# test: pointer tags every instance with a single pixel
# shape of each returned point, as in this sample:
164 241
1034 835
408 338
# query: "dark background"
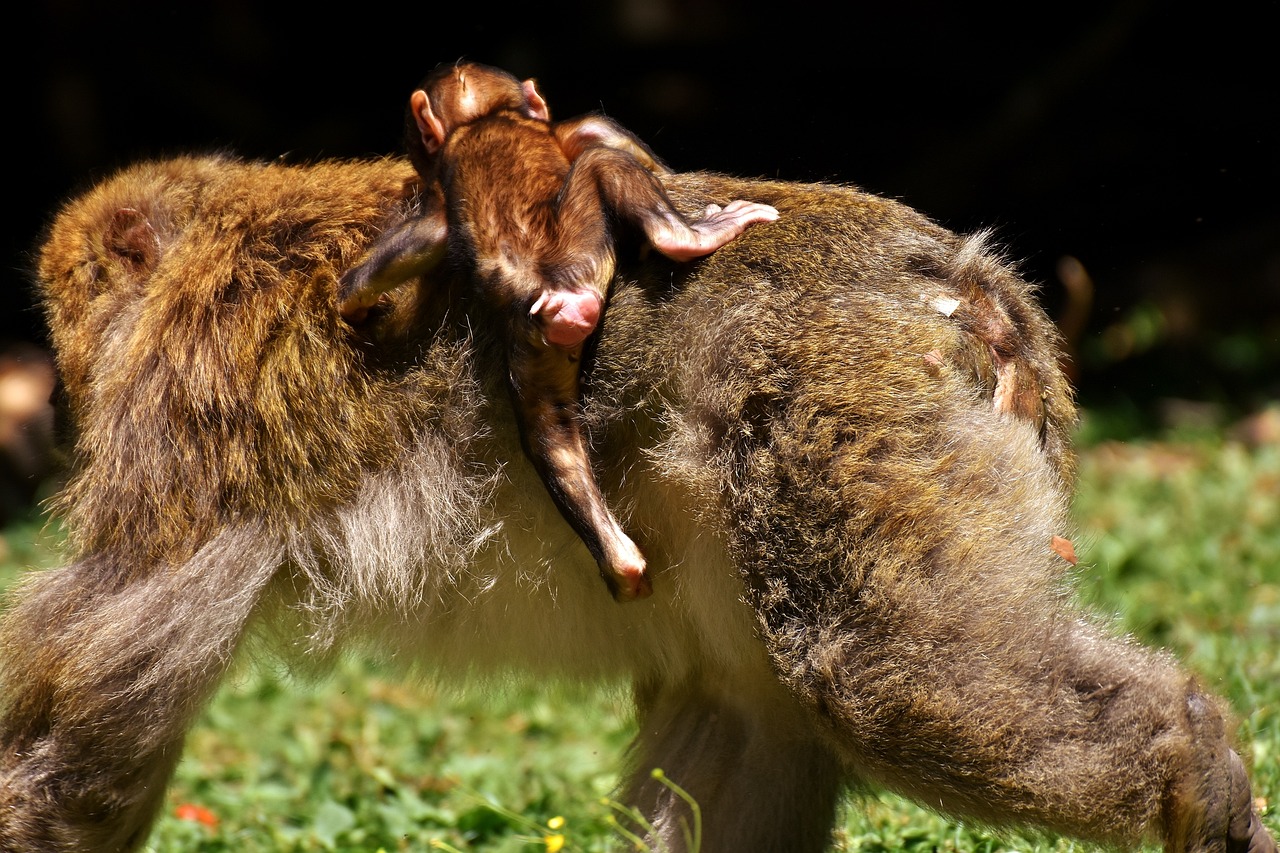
1140 141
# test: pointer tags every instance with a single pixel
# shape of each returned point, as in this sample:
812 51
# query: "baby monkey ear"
536 105
429 125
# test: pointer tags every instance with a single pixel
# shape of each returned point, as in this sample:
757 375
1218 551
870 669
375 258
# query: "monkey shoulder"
507 143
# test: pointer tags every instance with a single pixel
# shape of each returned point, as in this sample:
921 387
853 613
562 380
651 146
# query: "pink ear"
429 125
537 106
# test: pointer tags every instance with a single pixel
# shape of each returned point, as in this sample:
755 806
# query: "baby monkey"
526 201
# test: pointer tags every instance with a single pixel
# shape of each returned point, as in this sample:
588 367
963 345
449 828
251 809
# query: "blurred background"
1125 154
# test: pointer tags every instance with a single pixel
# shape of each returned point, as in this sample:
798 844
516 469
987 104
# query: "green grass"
1179 538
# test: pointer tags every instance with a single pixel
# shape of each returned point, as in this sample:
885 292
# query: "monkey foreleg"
717 226
406 252
1211 807
637 196
576 135
103 666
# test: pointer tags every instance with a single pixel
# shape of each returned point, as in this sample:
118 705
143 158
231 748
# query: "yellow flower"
555 843
555 822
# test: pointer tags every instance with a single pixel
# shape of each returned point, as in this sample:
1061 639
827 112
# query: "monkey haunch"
846 486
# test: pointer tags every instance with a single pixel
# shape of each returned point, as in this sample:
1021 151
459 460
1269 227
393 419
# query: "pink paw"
568 316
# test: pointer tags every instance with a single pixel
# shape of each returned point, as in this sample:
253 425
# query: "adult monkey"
842 440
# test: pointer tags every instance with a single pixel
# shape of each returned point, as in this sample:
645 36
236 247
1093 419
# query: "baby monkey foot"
568 317
626 572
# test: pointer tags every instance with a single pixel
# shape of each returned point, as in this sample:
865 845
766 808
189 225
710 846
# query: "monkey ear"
429 124
131 238
537 105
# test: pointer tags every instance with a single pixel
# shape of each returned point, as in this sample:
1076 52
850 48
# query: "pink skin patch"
568 316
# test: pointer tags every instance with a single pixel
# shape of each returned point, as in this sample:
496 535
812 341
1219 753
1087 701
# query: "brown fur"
526 207
532 227
851 531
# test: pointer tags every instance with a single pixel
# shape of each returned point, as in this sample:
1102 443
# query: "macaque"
852 536
524 200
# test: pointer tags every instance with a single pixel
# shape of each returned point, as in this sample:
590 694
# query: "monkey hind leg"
103 669
1211 807
761 780
544 387
1076 732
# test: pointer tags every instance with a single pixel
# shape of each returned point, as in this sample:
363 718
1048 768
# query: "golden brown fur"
848 520
528 207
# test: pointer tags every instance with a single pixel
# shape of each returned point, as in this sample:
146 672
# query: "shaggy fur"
842 442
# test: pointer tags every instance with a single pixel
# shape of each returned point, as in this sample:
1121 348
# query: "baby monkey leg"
544 387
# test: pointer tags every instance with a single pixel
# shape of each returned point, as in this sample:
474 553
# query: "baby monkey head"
458 94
